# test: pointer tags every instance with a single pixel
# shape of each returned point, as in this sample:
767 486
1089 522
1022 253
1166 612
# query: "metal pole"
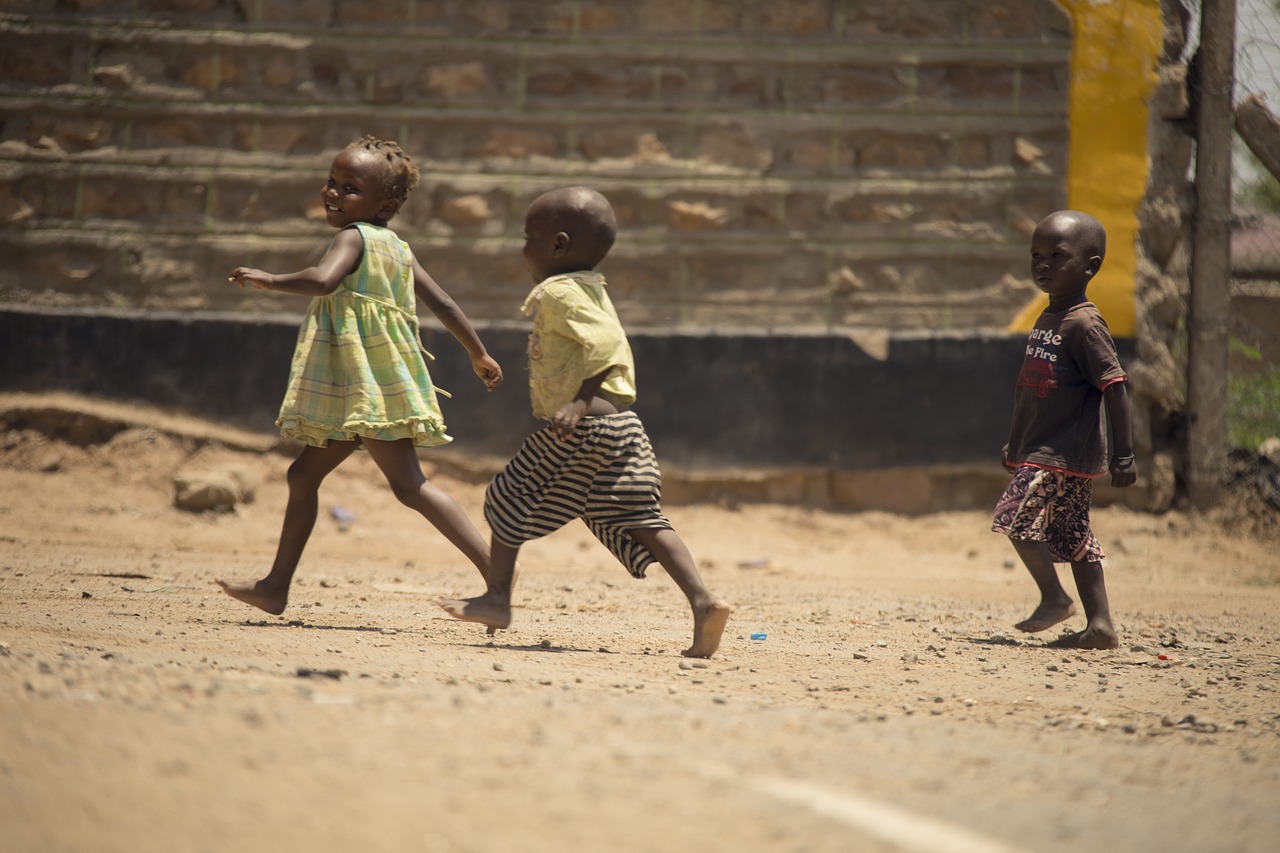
1209 309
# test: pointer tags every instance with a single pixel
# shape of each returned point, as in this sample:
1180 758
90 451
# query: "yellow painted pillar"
1115 50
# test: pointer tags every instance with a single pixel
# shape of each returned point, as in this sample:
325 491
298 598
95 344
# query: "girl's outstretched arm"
342 258
453 319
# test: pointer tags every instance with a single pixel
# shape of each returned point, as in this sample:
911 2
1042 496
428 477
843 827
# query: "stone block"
893 152
590 82
618 140
519 143
1019 19
275 137
302 14
907 19
116 198
456 80
280 72
1170 99
967 86
601 17
860 86
819 152
75 133
718 17
183 203
733 146
176 131
386 12
550 17
34 62
491 17
178 9
1043 84
667 17
696 216
804 18
215 72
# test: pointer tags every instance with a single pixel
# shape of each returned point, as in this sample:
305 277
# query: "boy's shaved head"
1078 227
584 215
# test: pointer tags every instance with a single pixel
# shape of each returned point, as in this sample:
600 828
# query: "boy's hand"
246 275
489 371
1124 471
1004 460
565 421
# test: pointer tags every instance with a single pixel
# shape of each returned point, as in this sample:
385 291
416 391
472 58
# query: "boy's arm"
453 319
321 280
1124 472
565 421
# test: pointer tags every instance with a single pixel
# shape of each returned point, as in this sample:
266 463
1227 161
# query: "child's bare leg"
710 612
1099 633
494 607
398 461
306 473
1055 605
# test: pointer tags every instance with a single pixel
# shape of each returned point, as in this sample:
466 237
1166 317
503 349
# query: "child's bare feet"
1047 615
256 593
1092 637
708 626
482 609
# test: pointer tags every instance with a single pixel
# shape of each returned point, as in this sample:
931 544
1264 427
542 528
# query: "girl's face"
354 191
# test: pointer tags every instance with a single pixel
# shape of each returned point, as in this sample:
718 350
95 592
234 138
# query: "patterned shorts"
606 474
1048 506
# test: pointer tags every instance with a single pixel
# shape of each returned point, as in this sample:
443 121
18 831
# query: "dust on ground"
890 706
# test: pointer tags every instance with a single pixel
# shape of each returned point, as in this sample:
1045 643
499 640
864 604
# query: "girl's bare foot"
1047 615
484 610
1090 638
708 626
257 594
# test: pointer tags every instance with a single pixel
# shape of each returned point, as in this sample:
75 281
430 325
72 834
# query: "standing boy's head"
368 181
1067 249
567 230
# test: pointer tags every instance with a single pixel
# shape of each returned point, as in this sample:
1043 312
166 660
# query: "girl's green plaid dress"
359 368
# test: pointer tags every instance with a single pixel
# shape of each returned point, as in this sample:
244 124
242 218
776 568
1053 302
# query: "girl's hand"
246 275
489 371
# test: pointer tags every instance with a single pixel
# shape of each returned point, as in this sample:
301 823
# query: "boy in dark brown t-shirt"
1057 443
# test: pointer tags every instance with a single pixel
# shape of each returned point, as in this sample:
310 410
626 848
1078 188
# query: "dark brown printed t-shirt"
1057 403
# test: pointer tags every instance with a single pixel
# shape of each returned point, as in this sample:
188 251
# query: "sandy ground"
890 707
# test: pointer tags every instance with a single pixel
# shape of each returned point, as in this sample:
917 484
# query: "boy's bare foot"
1089 638
708 626
481 609
257 594
1046 616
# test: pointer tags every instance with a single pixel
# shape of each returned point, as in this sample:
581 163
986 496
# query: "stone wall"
808 164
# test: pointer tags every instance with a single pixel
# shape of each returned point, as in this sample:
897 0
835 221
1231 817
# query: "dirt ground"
891 705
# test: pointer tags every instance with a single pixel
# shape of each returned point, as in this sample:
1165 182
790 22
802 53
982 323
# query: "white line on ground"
909 831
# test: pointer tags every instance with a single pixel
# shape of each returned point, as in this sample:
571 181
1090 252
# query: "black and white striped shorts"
606 474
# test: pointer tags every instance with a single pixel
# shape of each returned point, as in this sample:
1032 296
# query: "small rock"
214 489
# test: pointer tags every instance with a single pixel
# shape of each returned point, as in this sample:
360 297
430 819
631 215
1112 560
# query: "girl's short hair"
399 173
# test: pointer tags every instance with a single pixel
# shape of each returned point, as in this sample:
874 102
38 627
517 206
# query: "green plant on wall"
1261 191
1253 400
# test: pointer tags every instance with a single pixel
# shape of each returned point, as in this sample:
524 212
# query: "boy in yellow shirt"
593 460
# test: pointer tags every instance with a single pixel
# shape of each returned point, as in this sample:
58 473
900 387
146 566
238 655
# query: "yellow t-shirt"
576 335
